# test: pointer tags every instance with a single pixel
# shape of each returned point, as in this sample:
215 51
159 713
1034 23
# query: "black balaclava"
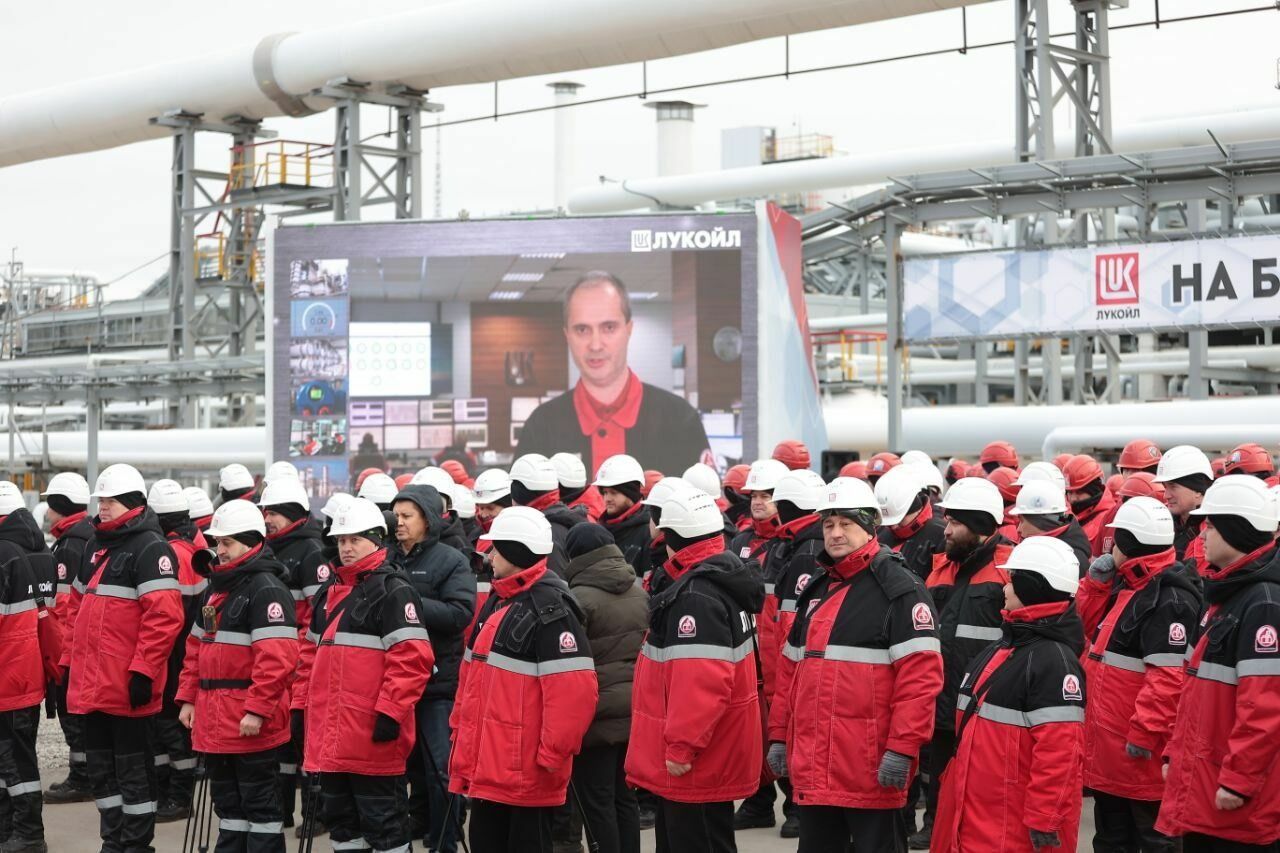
585 538
171 521
518 554
678 543
1195 482
568 495
291 511
1094 490
131 500
1047 522
789 512
1031 588
1132 548
1240 534
979 522
235 494
990 465
63 506
524 495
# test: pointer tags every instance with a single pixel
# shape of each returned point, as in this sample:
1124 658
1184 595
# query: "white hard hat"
976 494
666 488
619 469
897 490
10 498
167 496
1049 557
438 479
703 477
117 480
238 516
235 477
928 473
285 491
1040 497
535 472
464 503
764 475
379 488
690 513
849 493
279 470
801 487
492 485
1243 496
358 516
337 502
1181 461
71 486
1041 471
570 471
916 457
1147 519
522 524
198 503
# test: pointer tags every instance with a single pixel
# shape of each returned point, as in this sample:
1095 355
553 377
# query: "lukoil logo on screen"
1117 279
645 240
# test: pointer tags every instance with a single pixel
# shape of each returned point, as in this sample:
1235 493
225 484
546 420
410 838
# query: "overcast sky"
107 212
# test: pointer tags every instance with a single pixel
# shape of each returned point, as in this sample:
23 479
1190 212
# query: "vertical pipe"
893 327
566 93
91 418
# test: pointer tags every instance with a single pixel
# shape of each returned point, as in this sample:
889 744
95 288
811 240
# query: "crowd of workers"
540 658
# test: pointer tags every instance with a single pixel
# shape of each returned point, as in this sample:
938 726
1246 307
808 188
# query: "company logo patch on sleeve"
165 565
745 552
802 582
1071 689
410 613
1265 641
322 573
1177 634
687 627
275 613
62 571
568 643
922 617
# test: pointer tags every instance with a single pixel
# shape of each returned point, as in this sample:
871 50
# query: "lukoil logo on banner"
1116 279
645 240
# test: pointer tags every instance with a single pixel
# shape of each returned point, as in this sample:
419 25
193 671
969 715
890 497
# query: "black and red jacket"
526 694
918 540
1073 535
126 619
366 654
1188 544
1020 738
561 519
630 531
70 535
240 658
969 598
771 630
1135 671
185 540
860 674
758 543
695 698
590 501
1094 520
798 562
21 538
25 672
1228 729
300 549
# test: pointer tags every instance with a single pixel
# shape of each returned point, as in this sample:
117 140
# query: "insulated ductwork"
443 44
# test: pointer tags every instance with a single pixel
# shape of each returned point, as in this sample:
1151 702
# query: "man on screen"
610 411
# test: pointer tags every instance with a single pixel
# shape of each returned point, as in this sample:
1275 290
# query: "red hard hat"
404 480
1000 452
1003 478
1139 455
792 453
456 470
1141 484
1219 466
976 470
650 479
365 474
736 477
1114 482
957 469
1061 460
1249 459
881 463
856 469
1080 471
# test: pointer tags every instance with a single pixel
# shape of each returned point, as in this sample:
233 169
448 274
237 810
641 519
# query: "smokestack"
566 93
675 136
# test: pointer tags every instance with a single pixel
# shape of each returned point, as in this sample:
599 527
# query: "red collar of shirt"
622 412
1139 571
851 564
520 581
239 561
686 558
350 575
543 501
904 531
66 524
121 521
1218 574
1036 612
768 528
285 531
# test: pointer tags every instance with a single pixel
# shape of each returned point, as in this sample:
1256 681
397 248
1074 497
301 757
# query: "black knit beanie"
171 521
250 538
789 512
235 494
679 543
864 518
1031 588
523 495
291 511
1094 490
1132 548
568 495
1196 482
979 522
62 505
585 538
516 553
1240 534
131 500
633 491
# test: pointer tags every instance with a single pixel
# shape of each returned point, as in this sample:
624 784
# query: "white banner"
1193 283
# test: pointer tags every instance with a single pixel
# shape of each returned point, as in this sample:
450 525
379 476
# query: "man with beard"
967 588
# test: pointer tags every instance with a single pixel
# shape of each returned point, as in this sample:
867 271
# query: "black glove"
385 729
51 700
139 690
1044 839
297 725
